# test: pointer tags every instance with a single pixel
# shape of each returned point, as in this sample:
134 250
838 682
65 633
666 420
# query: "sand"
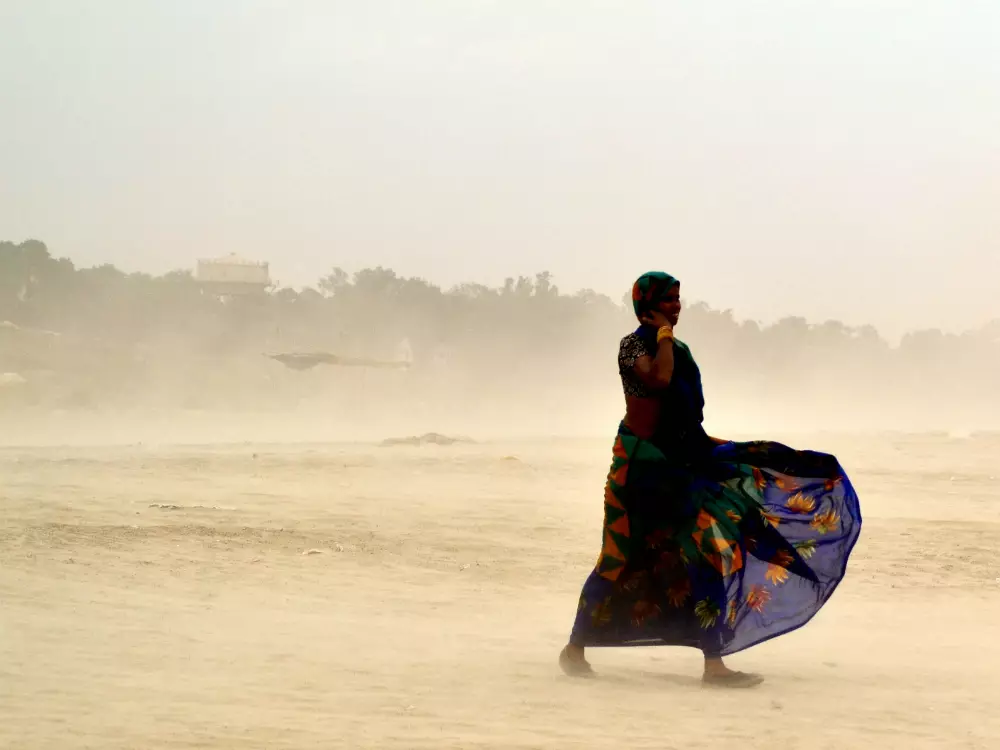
337 596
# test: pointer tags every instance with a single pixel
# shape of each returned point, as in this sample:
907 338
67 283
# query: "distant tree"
522 339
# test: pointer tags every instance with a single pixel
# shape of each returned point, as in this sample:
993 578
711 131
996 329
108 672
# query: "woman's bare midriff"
641 415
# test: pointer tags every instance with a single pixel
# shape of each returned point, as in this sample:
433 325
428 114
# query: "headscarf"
650 290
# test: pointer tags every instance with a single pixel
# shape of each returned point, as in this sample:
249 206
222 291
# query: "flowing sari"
718 547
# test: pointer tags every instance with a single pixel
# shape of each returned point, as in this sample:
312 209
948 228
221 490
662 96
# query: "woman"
711 544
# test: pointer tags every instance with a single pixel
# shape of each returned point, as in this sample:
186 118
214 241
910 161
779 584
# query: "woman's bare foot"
718 674
573 662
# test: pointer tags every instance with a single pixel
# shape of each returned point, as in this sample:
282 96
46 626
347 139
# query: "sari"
717 547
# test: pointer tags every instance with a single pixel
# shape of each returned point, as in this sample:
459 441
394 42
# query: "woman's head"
657 292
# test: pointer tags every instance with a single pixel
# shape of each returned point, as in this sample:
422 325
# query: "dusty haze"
201 547
829 160
98 355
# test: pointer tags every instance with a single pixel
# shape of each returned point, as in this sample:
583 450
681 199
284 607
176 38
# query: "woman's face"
671 305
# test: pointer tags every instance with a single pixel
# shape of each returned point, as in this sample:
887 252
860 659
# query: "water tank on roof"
233 275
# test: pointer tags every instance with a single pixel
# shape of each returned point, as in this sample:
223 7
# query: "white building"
233 275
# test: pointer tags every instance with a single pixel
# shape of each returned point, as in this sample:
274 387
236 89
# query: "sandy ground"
160 597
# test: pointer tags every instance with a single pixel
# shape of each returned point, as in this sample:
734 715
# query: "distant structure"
233 276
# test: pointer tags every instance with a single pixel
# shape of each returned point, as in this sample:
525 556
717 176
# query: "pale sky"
812 157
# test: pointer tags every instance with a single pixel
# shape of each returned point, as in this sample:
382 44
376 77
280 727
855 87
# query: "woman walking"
708 543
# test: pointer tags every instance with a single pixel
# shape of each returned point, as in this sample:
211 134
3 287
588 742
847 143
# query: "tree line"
95 336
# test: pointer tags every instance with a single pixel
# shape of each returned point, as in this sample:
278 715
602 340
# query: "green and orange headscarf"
651 289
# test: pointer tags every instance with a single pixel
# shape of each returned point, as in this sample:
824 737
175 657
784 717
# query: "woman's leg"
573 661
715 667
709 585
717 673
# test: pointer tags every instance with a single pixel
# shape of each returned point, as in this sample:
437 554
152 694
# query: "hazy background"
824 159
793 163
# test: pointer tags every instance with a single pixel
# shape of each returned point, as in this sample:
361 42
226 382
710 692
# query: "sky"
820 158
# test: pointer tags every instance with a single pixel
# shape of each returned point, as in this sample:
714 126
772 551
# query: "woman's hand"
656 319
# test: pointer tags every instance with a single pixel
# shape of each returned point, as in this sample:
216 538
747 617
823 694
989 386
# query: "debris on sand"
430 438
309 360
6 325
12 380
326 550
168 506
